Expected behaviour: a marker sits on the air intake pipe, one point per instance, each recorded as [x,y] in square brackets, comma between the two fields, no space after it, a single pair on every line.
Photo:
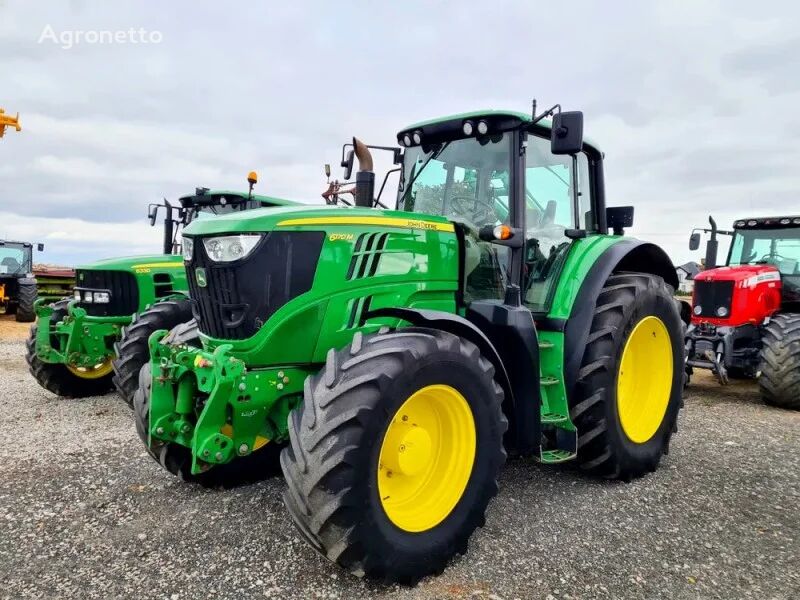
[365,178]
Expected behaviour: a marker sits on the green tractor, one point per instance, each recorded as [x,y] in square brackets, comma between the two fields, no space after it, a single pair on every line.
[399,355]
[73,347]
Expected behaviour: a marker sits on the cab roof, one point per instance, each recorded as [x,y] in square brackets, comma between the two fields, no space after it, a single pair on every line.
[506,118]
[265,200]
[768,222]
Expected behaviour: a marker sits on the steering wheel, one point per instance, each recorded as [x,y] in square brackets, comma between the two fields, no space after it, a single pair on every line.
[478,210]
[767,258]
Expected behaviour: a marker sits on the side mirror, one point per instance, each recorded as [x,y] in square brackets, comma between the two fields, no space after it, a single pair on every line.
[40,247]
[347,163]
[694,241]
[152,214]
[327,170]
[566,136]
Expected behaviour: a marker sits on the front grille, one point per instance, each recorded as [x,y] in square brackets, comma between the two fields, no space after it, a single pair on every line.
[121,285]
[712,295]
[239,297]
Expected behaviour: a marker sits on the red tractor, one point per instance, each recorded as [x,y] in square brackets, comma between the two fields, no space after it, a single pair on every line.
[745,320]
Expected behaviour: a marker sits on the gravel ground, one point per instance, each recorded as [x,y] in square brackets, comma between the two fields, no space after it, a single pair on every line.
[85,513]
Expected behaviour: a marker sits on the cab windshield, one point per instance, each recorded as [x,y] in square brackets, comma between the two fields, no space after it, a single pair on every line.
[14,260]
[778,247]
[464,180]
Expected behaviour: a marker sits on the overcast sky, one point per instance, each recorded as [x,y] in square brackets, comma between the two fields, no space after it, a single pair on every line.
[695,103]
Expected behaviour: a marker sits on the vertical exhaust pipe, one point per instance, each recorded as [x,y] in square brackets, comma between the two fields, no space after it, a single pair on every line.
[365,178]
[712,245]
[169,229]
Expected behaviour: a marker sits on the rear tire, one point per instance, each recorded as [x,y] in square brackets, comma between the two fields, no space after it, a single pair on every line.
[334,464]
[27,298]
[780,362]
[132,351]
[56,377]
[604,448]
[177,459]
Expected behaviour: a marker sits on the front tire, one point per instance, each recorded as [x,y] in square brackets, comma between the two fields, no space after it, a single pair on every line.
[27,297]
[780,362]
[629,386]
[395,452]
[132,351]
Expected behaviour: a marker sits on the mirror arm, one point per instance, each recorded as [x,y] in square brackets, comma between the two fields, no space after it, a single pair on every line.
[383,185]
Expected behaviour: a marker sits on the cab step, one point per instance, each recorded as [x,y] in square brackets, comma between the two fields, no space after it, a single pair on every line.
[546,345]
[554,419]
[548,381]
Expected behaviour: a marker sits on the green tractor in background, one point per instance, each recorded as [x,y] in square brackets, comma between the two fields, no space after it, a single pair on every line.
[73,347]
[401,354]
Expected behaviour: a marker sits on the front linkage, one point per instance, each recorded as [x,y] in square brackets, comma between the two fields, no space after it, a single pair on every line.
[211,403]
[79,341]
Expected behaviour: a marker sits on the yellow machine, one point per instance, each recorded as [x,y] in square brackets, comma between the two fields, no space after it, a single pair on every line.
[8,121]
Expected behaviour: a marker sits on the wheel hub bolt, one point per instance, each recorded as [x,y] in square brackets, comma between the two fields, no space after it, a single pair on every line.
[159,431]
[218,456]
[242,387]
[243,449]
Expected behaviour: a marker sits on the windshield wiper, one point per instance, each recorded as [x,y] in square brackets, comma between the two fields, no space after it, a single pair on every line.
[433,155]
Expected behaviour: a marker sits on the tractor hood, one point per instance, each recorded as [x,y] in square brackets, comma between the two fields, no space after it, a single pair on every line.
[315,217]
[740,273]
[135,263]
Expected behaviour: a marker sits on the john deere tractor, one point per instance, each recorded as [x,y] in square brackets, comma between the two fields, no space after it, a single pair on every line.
[746,313]
[401,354]
[73,345]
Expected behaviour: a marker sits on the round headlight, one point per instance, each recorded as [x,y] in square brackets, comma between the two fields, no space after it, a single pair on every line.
[697,309]
[483,127]
[796,221]
[214,249]
[739,224]
[785,221]
[722,311]
[468,128]
[417,137]
[407,140]
[752,223]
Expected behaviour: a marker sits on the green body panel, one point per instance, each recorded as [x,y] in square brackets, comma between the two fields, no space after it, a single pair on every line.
[581,258]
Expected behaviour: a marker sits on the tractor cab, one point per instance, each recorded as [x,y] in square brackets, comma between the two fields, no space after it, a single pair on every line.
[522,188]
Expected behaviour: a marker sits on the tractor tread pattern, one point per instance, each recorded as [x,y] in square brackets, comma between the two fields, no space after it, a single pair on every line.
[321,454]
[780,362]
[596,452]
[131,349]
[27,298]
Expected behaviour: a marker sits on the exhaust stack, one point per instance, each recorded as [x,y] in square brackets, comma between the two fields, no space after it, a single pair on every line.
[712,245]
[365,178]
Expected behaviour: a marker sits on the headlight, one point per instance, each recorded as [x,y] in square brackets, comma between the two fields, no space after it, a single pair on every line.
[230,247]
[698,309]
[722,311]
[102,297]
[188,248]
[87,297]
[77,295]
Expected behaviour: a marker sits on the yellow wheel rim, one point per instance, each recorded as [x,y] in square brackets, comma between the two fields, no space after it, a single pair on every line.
[644,382]
[95,372]
[426,458]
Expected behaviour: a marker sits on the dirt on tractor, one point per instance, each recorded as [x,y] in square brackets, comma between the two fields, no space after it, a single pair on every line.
[84,513]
